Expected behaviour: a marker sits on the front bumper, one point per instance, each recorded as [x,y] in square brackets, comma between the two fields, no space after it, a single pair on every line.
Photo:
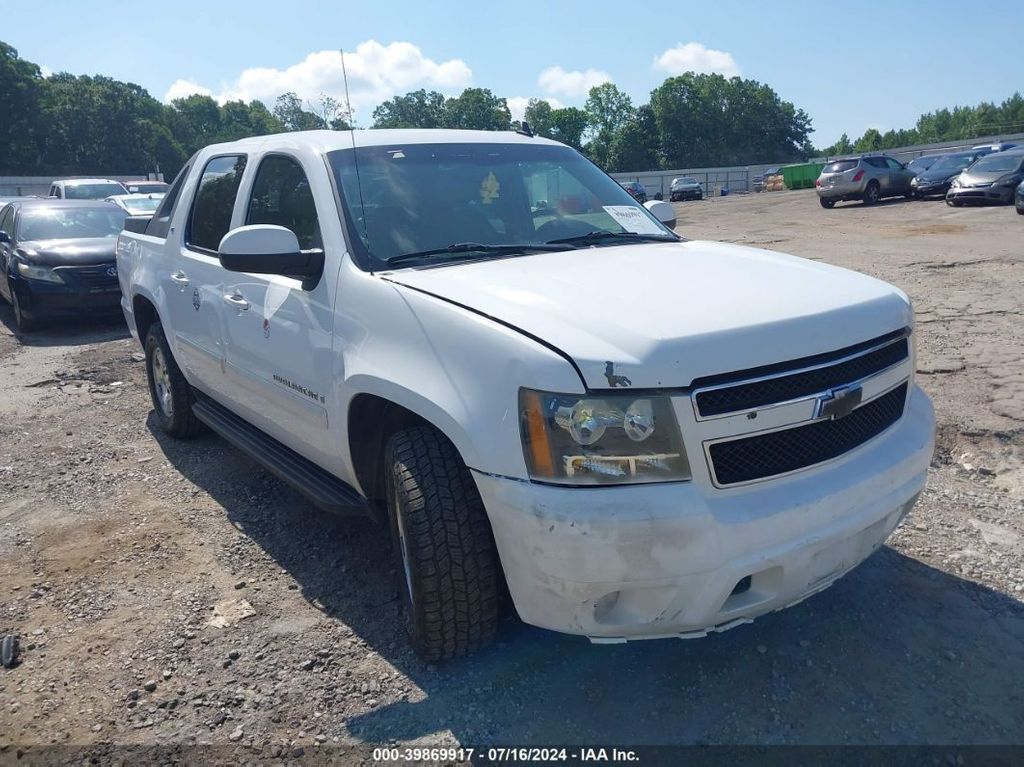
[995,194]
[650,561]
[687,194]
[76,295]
[930,190]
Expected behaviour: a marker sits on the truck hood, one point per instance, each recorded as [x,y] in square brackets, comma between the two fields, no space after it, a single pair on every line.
[75,252]
[663,315]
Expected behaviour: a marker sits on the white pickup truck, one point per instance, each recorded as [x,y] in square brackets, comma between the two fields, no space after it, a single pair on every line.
[548,395]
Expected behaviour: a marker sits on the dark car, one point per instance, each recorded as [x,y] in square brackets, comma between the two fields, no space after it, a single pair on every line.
[935,181]
[1019,198]
[924,162]
[992,179]
[57,257]
[636,190]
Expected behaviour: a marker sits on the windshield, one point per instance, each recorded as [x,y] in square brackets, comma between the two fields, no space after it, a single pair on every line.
[69,223]
[687,180]
[953,162]
[840,167]
[997,163]
[91,191]
[417,198]
[922,163]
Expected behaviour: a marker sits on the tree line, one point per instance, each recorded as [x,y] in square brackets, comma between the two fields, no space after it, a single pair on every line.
[68,124]
[985,119]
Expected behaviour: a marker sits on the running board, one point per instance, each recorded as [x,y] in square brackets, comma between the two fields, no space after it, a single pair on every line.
[321,487]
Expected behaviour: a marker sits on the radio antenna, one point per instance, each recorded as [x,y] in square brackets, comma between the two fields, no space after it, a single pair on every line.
[355,154]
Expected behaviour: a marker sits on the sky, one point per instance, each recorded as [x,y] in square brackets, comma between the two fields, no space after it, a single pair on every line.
[850,67]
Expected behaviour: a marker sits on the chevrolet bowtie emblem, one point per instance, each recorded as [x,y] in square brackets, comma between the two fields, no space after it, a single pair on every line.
[839,403]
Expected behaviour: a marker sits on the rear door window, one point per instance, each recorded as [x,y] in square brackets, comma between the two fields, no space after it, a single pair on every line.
[840,166]
[894,164]
[214,202]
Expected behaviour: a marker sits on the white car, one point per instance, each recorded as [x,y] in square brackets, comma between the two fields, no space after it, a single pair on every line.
[137,204]
[85,188]
[482,338]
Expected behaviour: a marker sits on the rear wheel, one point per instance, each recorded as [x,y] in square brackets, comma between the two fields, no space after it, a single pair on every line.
[827,202]
[1020,211]
[171,393]
[872,194]
[449,571]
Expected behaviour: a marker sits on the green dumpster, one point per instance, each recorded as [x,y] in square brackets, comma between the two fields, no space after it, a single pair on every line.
[801,176]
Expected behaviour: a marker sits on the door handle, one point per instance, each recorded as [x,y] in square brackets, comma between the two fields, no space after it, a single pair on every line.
[236,300]
[179,279]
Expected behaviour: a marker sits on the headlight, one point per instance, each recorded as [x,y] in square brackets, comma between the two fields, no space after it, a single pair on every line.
[41,273]
[601,439]
[913,181]
[1007,181]
[955,181]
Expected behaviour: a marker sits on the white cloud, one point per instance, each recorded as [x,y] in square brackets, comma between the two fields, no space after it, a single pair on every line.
[694,57]
[181,88]
[574,84]
[517,105]
[376,73]
[45,71]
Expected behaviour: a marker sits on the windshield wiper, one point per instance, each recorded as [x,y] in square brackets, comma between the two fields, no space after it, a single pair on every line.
[475,247]
[597,236]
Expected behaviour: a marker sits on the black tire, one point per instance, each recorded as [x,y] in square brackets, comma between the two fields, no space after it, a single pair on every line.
[25,324]
[827,203]
[952,202]
[1020,211]
[872,194]
[171,394]
[449,573]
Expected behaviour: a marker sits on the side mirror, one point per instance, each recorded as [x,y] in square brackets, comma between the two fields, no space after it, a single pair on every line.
[270,249]
[4,237]
[662,211]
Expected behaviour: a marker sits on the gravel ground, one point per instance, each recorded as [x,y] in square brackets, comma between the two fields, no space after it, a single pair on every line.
[175,593]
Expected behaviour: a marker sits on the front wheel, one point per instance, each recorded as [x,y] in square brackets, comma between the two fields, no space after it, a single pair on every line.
[25,324]
[171,393]
[827,203]
[449,571]
[1020,211]
[952,202]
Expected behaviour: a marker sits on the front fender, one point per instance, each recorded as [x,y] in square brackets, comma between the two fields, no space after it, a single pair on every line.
[457,369]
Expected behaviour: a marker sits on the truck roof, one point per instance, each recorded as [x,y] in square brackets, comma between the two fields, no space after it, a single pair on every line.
[330,140]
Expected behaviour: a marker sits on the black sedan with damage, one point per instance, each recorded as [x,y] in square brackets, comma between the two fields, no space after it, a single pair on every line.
[57,258]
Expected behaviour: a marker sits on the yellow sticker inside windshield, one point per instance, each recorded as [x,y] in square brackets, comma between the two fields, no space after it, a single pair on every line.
[489,189]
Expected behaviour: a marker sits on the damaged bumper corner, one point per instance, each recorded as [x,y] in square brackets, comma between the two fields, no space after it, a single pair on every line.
[685,559]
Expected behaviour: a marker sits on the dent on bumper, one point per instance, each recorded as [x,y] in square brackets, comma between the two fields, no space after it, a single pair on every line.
[652,561]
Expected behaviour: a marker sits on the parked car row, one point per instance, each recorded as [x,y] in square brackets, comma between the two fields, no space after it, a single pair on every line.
[989,173]
[101,188]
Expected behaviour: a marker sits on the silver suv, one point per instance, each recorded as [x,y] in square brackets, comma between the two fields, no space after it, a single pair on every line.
[863,178]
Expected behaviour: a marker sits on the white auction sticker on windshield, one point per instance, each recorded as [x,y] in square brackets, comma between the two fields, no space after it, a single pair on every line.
[633,219]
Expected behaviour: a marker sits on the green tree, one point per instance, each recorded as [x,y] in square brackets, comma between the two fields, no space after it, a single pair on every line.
[842,146]
[568,125]
[538,116]
[419,109]
[477,109]
[710,120]
[289,111]
[20,85]
[608,110]
[635,146]
[871,141]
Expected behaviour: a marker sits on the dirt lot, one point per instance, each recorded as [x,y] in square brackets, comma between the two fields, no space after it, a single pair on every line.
[118,546]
